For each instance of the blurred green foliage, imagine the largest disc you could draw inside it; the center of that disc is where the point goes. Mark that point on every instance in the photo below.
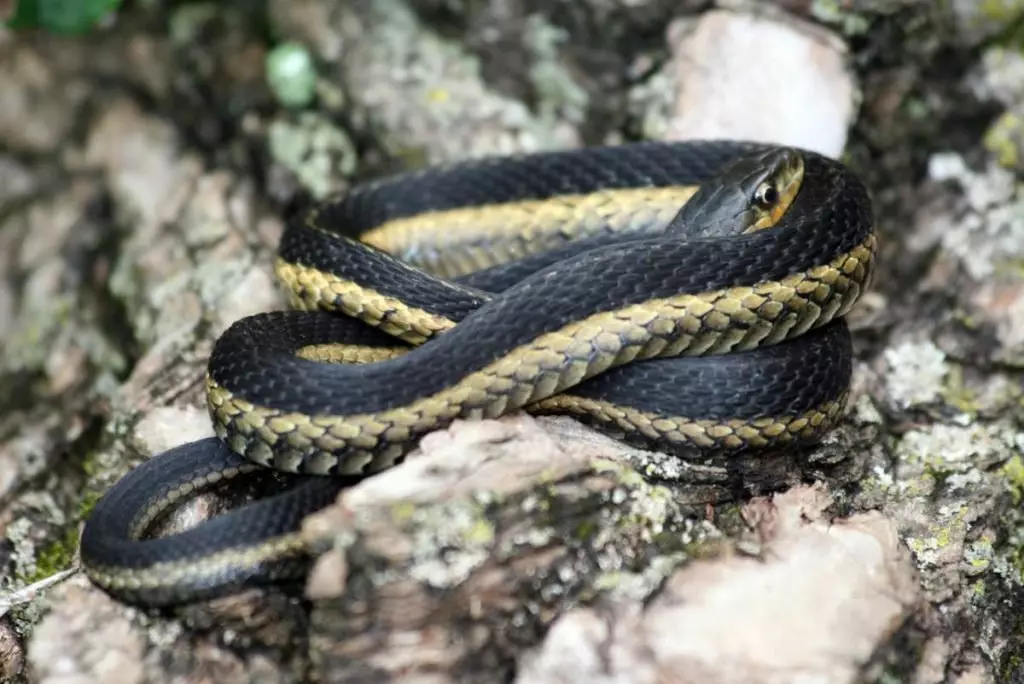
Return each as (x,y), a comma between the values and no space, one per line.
(60,16)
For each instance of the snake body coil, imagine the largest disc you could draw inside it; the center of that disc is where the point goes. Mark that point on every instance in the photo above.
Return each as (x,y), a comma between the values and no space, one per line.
(687,296)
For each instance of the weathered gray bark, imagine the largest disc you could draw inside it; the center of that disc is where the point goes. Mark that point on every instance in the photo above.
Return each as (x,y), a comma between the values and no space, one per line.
(135,226)
(450,567)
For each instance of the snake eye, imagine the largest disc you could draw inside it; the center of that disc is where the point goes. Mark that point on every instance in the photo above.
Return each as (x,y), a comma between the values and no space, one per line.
(766,195)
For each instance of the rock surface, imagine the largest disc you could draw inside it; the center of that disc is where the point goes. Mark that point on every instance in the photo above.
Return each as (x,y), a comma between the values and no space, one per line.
(743,75)
(812,603)
(144,176)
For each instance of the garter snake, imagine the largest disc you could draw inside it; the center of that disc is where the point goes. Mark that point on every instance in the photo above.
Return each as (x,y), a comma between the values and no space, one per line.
(688,296)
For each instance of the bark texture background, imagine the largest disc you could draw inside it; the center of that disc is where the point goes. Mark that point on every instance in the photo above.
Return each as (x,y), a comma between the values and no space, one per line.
(145,171)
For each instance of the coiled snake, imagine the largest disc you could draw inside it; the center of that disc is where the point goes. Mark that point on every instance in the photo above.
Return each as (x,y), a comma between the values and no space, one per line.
(687,296)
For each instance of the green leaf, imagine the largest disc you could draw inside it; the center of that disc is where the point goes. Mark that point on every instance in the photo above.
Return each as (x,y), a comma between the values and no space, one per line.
(61,16)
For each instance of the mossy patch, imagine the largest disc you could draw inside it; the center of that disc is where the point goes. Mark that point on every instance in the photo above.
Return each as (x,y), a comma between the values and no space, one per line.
(55,556)
(957,394)
(1013,471)
(1003,11)
(1005,139)
(838,14)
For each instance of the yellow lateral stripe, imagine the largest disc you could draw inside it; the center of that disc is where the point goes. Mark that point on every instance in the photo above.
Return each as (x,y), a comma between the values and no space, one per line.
(454,242)
(169,574)
(696,324)
(703,434)
(349,353)
(310,289)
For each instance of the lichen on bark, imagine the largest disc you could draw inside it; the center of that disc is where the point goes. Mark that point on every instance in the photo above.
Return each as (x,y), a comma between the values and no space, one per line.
(144,176)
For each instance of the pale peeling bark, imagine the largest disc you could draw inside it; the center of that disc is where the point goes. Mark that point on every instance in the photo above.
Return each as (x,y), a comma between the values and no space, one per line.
(135,226)
(447,567)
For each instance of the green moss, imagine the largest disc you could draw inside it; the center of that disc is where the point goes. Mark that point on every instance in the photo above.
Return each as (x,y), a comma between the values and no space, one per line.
(605,465)
(608,581)
(957,394)
(632,479)
(1015,557)
(479,533)
(979,555)
(403,512)
(969,322)
(585,531)
(55,557)
(1013,470)
(411,157)
(836,13)
(935,475)
(59,554)
(459,522)
(956,525)
(91,465)
(1005,138)
(87,503)
(1001,10)
(942,537)
(61,16)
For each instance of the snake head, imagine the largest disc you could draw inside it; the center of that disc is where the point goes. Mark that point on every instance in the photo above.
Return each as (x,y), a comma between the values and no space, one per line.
(749,194)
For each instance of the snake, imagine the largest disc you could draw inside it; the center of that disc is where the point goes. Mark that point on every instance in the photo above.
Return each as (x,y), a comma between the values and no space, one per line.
(685,296)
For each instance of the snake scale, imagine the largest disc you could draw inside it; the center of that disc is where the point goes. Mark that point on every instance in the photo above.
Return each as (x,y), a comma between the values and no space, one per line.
(687,296)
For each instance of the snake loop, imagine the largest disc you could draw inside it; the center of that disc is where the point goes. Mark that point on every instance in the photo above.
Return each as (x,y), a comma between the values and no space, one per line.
(685,296)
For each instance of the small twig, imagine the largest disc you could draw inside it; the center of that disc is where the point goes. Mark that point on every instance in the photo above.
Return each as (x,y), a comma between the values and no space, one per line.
(29,593)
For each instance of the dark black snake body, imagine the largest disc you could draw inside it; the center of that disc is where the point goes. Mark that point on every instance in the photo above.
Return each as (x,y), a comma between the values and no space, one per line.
(714,326)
